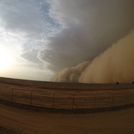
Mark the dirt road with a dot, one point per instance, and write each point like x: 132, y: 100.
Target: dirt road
x: 28, y: 122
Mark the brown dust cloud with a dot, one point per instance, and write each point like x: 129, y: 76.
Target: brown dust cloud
x: 116, y: 64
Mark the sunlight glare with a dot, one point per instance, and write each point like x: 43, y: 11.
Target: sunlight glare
x: 5, y: 58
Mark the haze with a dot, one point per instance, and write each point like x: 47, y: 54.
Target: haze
x: 43, y: 37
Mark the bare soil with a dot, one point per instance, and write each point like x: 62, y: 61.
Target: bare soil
x: 32, y: 122
x: 66, y: 96
x: 52, y: 95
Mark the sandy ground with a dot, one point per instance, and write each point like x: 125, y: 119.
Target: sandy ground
x: 32, y: 122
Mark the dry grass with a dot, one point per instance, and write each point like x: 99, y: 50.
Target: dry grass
x: 66, y: 96
x: 53, y: 95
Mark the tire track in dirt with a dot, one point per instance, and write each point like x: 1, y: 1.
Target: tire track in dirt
x: 6, y: 131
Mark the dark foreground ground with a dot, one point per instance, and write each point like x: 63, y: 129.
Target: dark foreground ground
x: 32, y: 122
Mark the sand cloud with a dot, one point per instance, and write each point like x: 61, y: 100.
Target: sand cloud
x: 71, y: 74
x: 116, y: 64
x: 52, y: 35
x: 88, y: 28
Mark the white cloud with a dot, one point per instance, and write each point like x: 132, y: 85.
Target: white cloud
x: 24, y: 24
x: 24, y: 16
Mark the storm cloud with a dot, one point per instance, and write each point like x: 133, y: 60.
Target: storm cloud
x: 116, y: 64
x: 51, y: 35
x: 88, y: 28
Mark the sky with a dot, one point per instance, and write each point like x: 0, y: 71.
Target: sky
x: 39, y: 38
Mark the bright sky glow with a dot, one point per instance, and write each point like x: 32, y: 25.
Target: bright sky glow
x: 5, y: 58
x: 24, y: 25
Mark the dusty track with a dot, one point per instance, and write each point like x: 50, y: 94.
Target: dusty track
x: 6, y: 131
x: 28, y: 122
